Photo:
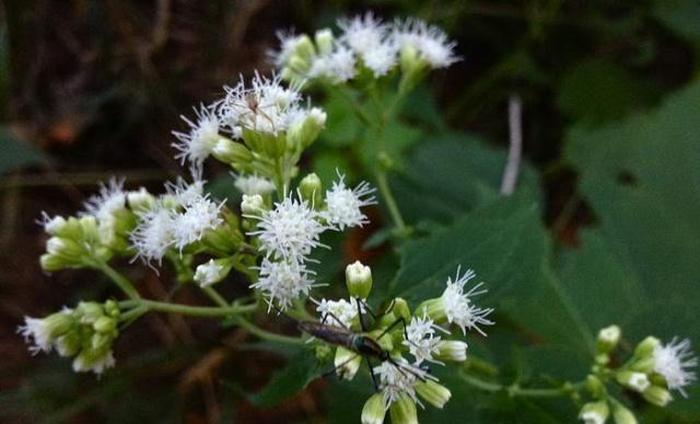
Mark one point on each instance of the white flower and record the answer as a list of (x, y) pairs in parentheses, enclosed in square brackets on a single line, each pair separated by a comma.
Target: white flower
[(339, 313), (184, 193), (37, 332), (52, 225), (338, 66), (197, 144), (110, 199), (153, 235), (422, 341), (458, 307), (264, 107), (289, 231), (369, 38), (673, 361), (97, 365), (208, 273), (284, 281), (252, 184), (430, 42), (288, 43), (343, 205), (199, 215), (397, 378), (593, 417)]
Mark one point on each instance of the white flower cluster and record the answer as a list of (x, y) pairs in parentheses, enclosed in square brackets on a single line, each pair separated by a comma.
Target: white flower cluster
[(673, 361), (458, 306), (289, 231), (365, 42)]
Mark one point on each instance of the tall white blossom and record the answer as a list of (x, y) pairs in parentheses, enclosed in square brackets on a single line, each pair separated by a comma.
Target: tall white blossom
[(459, 308), (674, 361), (343, 205), (153, 235), (370, 39), (282, 282)]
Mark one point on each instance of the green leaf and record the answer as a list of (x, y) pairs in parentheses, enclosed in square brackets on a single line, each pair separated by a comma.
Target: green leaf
[(682, 16), (641, 178), (15, 153), (453, 173), (301, 369)]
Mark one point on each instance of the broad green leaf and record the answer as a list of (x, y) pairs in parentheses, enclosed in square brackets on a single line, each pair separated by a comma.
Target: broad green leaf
[(681, 16), (453, 173), (15, 153), (642, 180)]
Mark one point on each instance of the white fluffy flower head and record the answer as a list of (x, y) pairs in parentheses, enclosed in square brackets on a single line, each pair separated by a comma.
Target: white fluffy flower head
[(265, 106), (673, 361), (397, 378), (196, 145), (208, 273), (422, 339), (338, 66), (343, 204), (283, 282), (459, 308), (289, 230), (98, 366), (363, 33), (199, 215), (430, 42), (253, 184), (339, 313), (36, 332), (153, 235), (110, 199)]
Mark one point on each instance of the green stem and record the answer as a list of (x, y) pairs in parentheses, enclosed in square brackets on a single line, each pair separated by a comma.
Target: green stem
[(390, 202), (216, 297), (118, 279), (197, 311), (266, 335), (516, 391)]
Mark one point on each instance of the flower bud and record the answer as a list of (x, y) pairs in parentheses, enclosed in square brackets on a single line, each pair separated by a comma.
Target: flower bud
[(228, 151), (89, 312), (347, 363), (434, 309), (58, 324), (452, 350), (56, 225), (608, 338), (595, 386), (403, 411), (50, 263), (622, 415), (434, 393), (69, 344), (633, 380), (374, 410), (646, 347), (400, 308), (311, 190), (324, 41), (644, 365), (304, 47), (358, 279), (657, 395), (213, 271), (105, 324), (594, 412), (252, 205), (304, 132), (140, 200)]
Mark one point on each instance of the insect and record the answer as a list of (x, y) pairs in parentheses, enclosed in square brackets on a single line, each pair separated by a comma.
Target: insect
[(360, 343)]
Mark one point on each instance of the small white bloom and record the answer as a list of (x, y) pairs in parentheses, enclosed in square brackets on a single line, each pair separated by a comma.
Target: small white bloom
[(52, 225), (363, 33), (110, 199), (252, 184), (36, 332), (283, 282), (422, 341), (430, 42), (288, 43), (459, 308), (266, 106), (593, 417), (98, 365), (197, 144), (398, 379), (337, 66), (673, 362), (199, 215), (381, 59), (339, 313), (208, 273), (289, 231), (153, 235), (185, 193), (343, 204)]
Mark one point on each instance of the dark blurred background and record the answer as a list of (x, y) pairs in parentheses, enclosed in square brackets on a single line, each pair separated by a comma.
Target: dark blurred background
[(91, 89)]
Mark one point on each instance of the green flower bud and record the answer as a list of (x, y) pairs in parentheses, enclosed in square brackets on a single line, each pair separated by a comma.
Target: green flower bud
[(105, 325), (59, 323), (50, 263), (358, 279), (452, 350), (89, 228), (69, 344), (68, 250), (252, 205), (594, 412), (140, 200), (303, 133), (55, 226), (403, 411), (646, 347), (311, 190), (213, 271), (401, 309), (91, 360), (644, 365), (324, 41), (111, 308), (657, 395), (595, 386), (298, 64), (633, 380), (89, 312), (374, 410), (230, 152), (347, 363), (622, 415), (434, 309), (608, 338), (99, 341), (433, 393), (304, 47)]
